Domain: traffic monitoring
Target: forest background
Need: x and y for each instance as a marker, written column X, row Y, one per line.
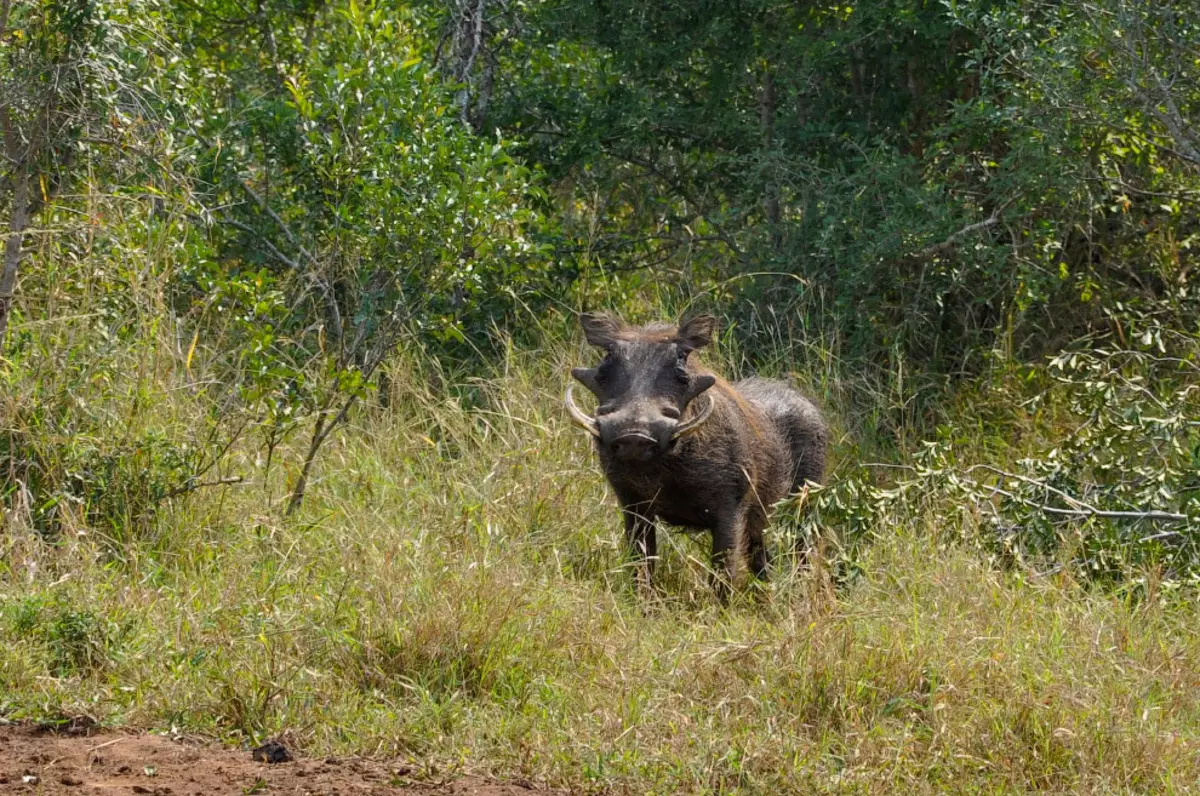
column 288, row 299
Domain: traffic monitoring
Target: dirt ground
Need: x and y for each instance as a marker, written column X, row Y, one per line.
column 33, row 761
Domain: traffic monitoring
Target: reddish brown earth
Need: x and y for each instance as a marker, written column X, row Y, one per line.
column 33, row 761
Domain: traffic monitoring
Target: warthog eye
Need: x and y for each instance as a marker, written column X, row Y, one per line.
column 670, row 412
column 681, row 365
column 605, row 409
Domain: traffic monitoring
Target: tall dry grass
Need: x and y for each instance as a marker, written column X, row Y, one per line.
column 454, row 592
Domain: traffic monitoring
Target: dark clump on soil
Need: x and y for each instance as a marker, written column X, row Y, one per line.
column 34, row 761
column 272, row 752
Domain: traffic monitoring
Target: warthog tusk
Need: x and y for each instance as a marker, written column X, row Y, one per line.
column 687, row 428
column 588, row 424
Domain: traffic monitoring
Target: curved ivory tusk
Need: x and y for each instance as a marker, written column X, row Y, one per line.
column 588, row 424
column 687, row 428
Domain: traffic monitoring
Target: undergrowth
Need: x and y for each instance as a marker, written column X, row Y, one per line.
column 454, row 592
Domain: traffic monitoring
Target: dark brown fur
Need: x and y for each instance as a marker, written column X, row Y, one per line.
column 762, row 441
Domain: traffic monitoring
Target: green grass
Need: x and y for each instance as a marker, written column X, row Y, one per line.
column 454, row 592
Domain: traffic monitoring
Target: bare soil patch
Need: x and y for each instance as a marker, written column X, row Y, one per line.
column 33, row 761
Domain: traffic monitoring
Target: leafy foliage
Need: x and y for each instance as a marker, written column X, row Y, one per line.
column 293, row 290
column 1114, row 494
column 249, row 214
column 928, row 180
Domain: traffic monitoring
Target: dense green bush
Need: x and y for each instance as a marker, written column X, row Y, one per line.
column 1108, row 482
column 926, row 181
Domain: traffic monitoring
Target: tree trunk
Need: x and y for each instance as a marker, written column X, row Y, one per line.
column 487, row 83
column 17, row 223
column 301, row 485
column 468, row 46
column 771, row 189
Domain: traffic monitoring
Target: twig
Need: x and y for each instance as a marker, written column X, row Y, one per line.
column 1082, row 509
column 106, row 743
column 1033, row 482
column 1164, row 535
column 949, row 243
column 287, row 231
column 258, row 237
column 324, row 426
column 1079, row 507
column 186, row 488
column 266, row 208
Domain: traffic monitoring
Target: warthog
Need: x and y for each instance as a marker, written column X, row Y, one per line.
column 677, row 441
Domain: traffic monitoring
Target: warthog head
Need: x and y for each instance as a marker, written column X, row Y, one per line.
column 644, row 385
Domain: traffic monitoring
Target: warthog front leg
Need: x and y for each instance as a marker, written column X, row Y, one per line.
column 643, row 547
column 727, row 546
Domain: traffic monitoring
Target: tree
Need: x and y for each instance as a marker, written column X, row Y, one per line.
column 347, row 204
column 47, row 101
column 925, row 179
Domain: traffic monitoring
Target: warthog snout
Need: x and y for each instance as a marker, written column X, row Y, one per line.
column 637, row 427
column 638, row 446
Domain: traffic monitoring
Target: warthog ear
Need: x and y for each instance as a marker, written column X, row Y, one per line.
column 600, row 328
column 696, row 332
column 697, row 385
column 586, row 377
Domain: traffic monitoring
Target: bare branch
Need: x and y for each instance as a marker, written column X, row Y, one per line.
column 952, row 241
column 287, row 231
column 1169, row 115
column 1079, row 508
column 266, row 243
column 1160, row 536
column 325, row 425
column 192, row 487
column 14, row 244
